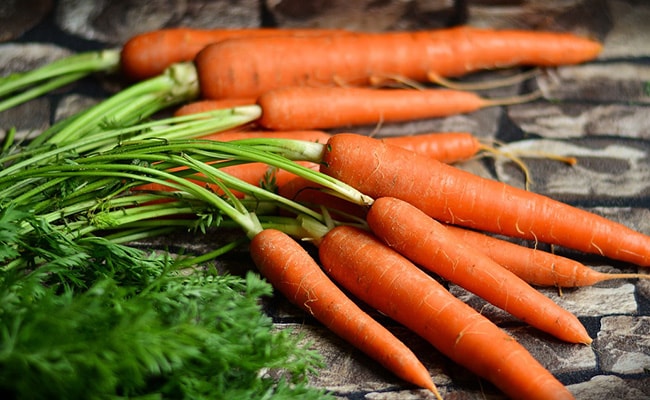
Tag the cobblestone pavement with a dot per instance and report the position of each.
(598, 112)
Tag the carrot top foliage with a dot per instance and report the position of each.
(140, 328)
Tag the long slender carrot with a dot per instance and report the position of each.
(200, 106)
(458, 197)
(150, 53)
(535, 266)
(447, 147)
(307, 135)
(292, 271)
(302, 107)
(250, 67)
(429, 244)
(393, 285)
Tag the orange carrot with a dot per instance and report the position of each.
(293, 272)
(314, 195)
(535, 266)
(301, 107)
(429, 244)
(255, 173)
(451, 195)
(211, 105)
(393, 285)
(149, 54)
(252, 66)
(307, 135)
(447, 147)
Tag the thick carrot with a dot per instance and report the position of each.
(149, 54)
(387, 281)
(292, 271)
(458, 197)
(535, 266)
(429, 244)
(302, 107)
(250, 67)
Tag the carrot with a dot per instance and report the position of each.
(255, 173)
(535, 266)
(200, 106)
(149, 54)
(293, 272)
(429, 244)
(451, 195)
(314, 195)
(301, 107)
(252, 66)
(307, 135)
(447, 147)
(387, 281)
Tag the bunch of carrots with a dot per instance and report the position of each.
(415, 214)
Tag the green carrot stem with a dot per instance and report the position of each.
(8, 140)
(228, 181)
(170, 128)
(179, 83)
(292, 149)
(187, 262)
(39, 90)
(77, 65)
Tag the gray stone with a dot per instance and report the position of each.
(553, 120)
(28, 56)
(116, 21)
(611, 82)
(19, 16)
(626, 39)
(623, 344)
(559, 358)
(596, 301)
(607, 387)
(365, 15)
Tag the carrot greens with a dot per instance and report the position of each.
(20, 87)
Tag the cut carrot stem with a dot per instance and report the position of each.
(295, 108)
(292, 271)
(250, 67)
(429, 244)
(458, 197)
(389, 282)
(535, 266)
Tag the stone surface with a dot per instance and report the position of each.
(116, 21)
(597, 112)
(19, 16)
